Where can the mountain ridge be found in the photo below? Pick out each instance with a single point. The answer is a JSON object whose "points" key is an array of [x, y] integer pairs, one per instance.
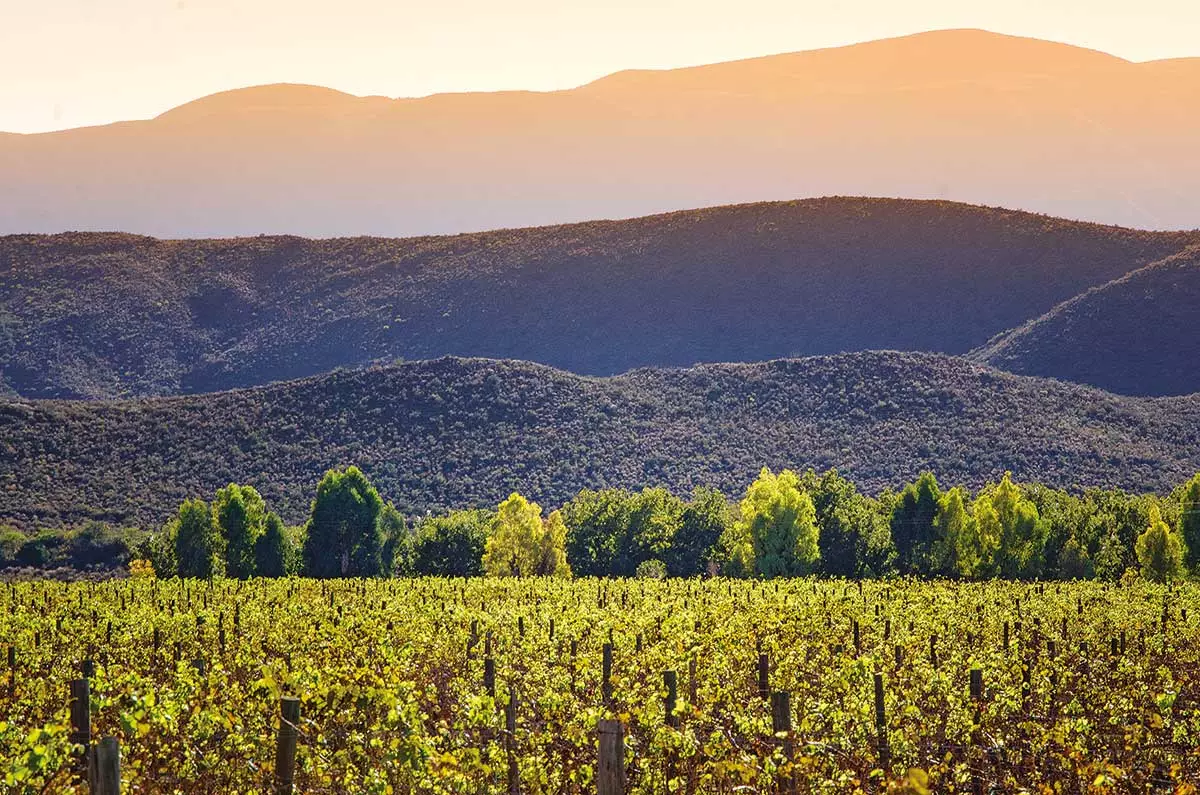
{"points": [[109, 314], [1132, 335], [458, 432], [1092, 136]]}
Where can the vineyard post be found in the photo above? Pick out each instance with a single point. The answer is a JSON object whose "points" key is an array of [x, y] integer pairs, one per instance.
{"points": [[764, 684], [781, 723], [881, 725], [510, 726], [976, 729], [105, 774], [12, 670], [285, 747], [81, 718], [606, 672], [610, 762], [671, 683]]}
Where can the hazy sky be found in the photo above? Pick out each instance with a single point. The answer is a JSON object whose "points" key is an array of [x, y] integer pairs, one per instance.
{"points": [[66, 63]]}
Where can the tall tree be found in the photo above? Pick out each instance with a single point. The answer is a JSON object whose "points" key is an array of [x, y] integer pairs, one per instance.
{"points": [[274, 555], [703, 520], [958, 550], [1160, 550], [1189, 523], [199, 551], [240, 514], [521, 544], [396, 554], [342, 536], [1022, 532], [855, 538], [913, 521], [451, 545], [778, 517]]}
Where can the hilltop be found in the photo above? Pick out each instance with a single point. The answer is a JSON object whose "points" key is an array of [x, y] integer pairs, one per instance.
{"points": [[1135, 335], [99, 315], [459, 432], [961, 114]]}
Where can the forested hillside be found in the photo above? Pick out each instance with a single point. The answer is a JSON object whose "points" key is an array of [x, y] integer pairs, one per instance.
{"points": [[455, 433], [1137, 335], [109, 315]]}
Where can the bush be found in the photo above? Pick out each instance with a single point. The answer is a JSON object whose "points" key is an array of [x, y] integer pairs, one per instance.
{"points": [[651, 570]]}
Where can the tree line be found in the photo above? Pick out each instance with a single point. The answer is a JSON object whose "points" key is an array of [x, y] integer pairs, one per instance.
{"points": [[785, 524]]}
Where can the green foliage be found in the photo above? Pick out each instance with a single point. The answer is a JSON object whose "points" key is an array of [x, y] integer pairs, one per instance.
{"points": [[1160, 550], [1019, 552], [199, 548], [1189, 524], [696, 543], [451, 545], [11, 541], [612, 531], [521, 544], [651, 570], [778, 519], [913, 523], [396, 554], [1074, 563], [240, 514], [854, 532], [342, 535], [275, 553]]}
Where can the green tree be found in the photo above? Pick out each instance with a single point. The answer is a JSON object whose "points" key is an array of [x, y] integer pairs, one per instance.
{"points": [[451, 545], [957, 549], [274, 552], [1160, 550], [1073, 561], [701, 524], [778, 518], [609, 532], [342, 535], [396, 554], [855, 537], [913, 521], [521, 544], [1022, 532], [240, 514], [1110, 557], [1189, 523], [199, 548]]}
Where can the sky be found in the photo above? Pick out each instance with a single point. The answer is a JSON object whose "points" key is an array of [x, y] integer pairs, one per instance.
{"points": [[70, 63]]}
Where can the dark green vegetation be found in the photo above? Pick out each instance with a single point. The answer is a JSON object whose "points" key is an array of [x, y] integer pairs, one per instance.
{"points": [[454, 433], [1137, 335], [786, 524], [107, 315]]}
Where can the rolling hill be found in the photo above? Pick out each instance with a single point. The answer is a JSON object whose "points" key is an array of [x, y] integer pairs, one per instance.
{"points": [[1136, 335], [455, 432], [109, 315], [961, 114]]}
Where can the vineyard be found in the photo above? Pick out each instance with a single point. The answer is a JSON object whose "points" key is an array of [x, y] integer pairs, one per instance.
{"points": [[503, 685]]}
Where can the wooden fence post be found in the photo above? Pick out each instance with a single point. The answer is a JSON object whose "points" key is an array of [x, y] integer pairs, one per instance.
{"points": [[285, 747], [81, 719], [606, 672], [885, 751], [106, 767], [764, 682], [510, 725], [671, 683], [781, 723], [610, 763]]}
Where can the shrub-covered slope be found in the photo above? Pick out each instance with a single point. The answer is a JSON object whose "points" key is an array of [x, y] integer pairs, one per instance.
{"points": [[456, 432], [108, 315], [1136, 335]]}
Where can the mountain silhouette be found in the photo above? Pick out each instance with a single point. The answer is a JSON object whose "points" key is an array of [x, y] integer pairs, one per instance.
{"points": [[964, 114]]}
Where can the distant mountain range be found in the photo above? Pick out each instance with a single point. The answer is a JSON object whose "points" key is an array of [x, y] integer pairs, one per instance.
{"points": [[1138, 335], [457, 432], [964, 115], [106, 315]]}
